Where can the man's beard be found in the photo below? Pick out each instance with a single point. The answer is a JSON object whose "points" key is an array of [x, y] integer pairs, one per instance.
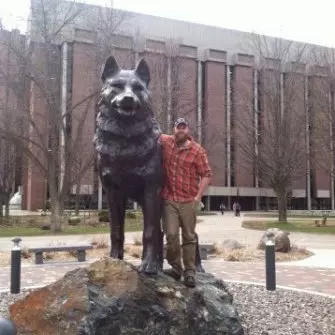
{"points": [[180, 138]]}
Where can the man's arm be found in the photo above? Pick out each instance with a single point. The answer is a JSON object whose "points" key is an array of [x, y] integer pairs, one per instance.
{"points": [[204, 171], [204, 182]]}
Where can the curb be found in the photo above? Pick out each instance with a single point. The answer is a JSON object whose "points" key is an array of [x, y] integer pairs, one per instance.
{"points": [[287, 288], [22, 288]]}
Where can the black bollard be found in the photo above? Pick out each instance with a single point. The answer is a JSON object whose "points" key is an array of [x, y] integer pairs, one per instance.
{"points": [[270, 265], [15, 278], [7, 327]]}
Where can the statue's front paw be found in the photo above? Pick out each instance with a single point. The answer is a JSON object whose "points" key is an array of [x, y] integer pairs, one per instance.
{"points": [[149, 266]]}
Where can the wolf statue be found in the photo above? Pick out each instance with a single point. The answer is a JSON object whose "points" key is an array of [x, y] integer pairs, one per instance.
{"points": [[130, 158]]}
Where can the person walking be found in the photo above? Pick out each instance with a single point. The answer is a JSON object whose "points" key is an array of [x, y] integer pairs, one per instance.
{"points": [[187, 174], [237, 208], [222, 208]]}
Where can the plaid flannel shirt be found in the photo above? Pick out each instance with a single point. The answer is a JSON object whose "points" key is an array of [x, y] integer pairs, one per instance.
{"points": [[183, 169]]}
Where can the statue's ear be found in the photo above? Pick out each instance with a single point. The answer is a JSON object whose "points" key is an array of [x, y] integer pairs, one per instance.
{"points": [[111, 68], [142, 70]]}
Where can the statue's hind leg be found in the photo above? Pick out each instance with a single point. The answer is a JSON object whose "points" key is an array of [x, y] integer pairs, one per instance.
{"points": [[198, 264]]}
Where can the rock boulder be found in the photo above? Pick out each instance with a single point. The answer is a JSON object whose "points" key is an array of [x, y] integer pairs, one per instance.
{"points": [[112, 297], [282, 241]]}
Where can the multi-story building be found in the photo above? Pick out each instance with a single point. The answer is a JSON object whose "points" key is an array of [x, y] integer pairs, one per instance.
{"points": [[207, 74]]}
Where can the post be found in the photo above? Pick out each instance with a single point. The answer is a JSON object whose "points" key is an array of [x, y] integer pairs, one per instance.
{"points": [[99, 195], [199, 96], [270, 264], [308, 165], [228, 121], [169, 95], [257, 134], [15, 279], [208, 203]]}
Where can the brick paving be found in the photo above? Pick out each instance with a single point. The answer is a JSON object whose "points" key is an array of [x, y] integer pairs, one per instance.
{"points": [[316, 280]]}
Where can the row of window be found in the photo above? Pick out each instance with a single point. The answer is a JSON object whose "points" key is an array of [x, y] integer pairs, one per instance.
{"points": [[257, 101]]}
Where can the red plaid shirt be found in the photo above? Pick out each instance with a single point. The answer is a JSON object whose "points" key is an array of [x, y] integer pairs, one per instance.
{"points": [[183, 167]]}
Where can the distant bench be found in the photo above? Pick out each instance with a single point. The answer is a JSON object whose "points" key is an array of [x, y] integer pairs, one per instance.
{"points": [[81, 251]]}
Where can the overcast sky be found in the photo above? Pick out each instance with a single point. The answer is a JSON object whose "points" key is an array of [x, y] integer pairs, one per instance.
{"points": [[307, 21]]}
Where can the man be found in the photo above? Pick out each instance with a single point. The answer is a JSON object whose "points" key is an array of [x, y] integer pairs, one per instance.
{"points": [[187, 174], [236, 208], [222, 208]]}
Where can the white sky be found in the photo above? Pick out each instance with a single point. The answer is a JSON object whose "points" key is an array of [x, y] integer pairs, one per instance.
{"points": [[307, 21]]}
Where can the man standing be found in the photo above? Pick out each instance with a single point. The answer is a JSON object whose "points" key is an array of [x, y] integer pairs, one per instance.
{"points": [[187, 174]]}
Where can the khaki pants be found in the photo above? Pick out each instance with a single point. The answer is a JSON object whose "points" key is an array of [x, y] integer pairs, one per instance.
{"points": [[175, 215]]}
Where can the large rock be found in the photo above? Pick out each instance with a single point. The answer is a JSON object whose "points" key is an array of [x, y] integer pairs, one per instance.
{"points": [[112, 297], [282, 241]]}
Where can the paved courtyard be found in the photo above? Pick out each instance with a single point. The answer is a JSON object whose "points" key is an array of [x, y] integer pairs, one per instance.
{"points": [[214, 228], [315, 274], [316, 280]]}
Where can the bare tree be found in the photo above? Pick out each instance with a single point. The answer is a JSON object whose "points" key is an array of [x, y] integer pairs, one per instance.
{"points": [[81, 163], [42, 143], [9, 117], [168, 81], [274, 132], [172, 91], [106, 26], [322, 108]]}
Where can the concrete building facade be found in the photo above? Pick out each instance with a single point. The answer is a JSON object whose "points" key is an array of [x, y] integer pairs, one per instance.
{"points": [[207, 74]]}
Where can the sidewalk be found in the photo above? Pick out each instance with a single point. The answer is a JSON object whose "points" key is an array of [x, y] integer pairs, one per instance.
{"points": [[316, 273], [323, 258], [214, 228], [316, 280]]}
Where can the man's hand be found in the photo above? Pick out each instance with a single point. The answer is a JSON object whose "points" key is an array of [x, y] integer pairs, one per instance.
{"points": [[197, 198]]}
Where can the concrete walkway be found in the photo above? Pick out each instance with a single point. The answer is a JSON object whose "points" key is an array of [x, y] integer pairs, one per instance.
{"points": [[215, 228], [324, 258], [315, 274], [314, 280]]}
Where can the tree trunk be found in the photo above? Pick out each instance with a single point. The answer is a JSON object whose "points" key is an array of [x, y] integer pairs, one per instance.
{"points": [[56, 214], [6, 200], [57, 207], [282, 206], [1, 204], [56, 198], [77, 200]]}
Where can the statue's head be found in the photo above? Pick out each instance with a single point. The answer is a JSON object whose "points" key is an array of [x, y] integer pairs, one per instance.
{"points": [[125, 91]]}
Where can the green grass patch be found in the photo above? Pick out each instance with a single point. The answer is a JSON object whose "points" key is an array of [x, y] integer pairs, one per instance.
{"points": [[96, 223], [275, 215], [32, 226], [304, 226]]}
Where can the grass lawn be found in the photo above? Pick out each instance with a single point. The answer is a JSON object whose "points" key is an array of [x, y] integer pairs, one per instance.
{"points": [[304, 226], [275, 215], [31, 226]]}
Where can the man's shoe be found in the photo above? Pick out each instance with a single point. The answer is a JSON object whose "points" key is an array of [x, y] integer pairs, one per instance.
{"points": [[172, 273], [189, 281]]}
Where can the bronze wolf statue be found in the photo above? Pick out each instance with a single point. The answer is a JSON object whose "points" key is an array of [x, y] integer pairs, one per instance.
{"points": [[130, 158]]}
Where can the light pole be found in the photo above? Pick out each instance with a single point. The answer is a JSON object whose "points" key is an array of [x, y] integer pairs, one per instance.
{"points": [[15, 278], [270, 263]]}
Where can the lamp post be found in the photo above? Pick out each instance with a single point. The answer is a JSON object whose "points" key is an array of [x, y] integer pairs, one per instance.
{"points": [[15, 278], [270, 263]]}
